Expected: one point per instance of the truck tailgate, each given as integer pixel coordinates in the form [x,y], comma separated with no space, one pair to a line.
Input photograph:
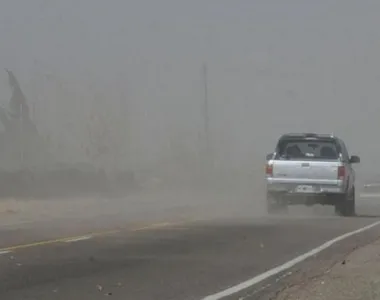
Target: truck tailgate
[306,171]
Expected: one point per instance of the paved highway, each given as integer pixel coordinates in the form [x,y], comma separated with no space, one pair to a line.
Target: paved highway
[179,259]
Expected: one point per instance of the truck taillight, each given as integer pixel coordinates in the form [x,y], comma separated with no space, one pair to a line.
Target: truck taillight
[269,169]
[341,172]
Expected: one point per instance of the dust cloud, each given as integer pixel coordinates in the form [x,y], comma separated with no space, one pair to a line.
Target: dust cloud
[170,106]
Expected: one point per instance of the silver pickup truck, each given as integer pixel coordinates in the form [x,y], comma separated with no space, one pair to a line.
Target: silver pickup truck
[308,169]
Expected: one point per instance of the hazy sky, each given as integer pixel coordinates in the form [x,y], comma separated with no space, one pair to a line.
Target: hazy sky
[274,66]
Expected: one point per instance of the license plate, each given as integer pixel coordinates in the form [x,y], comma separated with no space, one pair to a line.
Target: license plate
[305,189]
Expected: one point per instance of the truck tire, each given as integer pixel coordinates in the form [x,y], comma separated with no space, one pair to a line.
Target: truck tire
[346,206]
[275,205]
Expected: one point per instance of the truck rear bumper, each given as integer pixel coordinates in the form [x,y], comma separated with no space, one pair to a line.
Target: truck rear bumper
[306,199]
[305,194]
[306,187]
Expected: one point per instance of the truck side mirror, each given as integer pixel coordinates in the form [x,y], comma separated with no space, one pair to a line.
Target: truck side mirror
[354,159]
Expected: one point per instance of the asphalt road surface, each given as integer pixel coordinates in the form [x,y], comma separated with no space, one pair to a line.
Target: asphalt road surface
[179,260]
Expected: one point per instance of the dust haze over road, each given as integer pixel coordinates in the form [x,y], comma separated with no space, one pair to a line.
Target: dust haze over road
[128,78]
[123,87]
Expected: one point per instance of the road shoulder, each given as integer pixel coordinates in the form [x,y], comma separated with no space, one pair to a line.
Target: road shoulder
[355,277]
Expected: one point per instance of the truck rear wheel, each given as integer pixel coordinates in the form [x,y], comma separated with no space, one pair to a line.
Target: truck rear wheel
[346,206]
[276,205]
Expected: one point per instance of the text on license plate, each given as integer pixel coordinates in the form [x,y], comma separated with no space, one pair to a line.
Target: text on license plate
[304,189]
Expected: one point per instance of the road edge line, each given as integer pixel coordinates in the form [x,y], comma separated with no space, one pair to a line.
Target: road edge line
[281,268]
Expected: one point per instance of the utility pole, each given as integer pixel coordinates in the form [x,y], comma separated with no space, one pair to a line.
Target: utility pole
[22,135]
[206,108]
[207,159]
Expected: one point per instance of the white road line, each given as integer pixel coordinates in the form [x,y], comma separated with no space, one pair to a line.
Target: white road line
[79,238]
[255,280]
[370,195]
[371,184]
[4,252]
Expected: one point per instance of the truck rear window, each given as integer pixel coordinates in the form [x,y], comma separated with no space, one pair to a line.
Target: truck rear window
[307,150]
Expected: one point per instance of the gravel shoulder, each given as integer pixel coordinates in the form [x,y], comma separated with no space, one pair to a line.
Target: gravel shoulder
[356,277]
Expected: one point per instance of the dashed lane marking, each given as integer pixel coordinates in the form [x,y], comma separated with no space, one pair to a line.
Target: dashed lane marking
[85,236]
[79,238]
[154,226]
